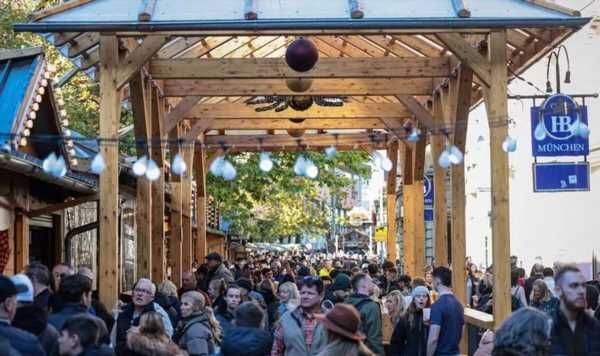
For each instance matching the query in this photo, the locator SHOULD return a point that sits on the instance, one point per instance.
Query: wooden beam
(199, 127)
(178, 113)
(62, 7)
(176, 237)
(200, 166)
(392, 232)
(250, 11)
(463, 84)
(356, 9)
(138, 57)
(235, 68)
(555, 7)
(468, 55)
(440, 215)
(284, 124)
(461, 9)
(146, 10)
(286, 140)
(61, 206)
(21, 243)
(347, 111)
(82, 43)
(324, 87)
(421, 114)
(158, 189)
(110, 109)
(497, 111)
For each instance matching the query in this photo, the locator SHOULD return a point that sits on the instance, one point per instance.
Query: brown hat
(344, 320)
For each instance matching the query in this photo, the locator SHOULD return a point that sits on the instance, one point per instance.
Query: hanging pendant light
(330, 152)
(312, 171)
(265, 163)
(229, 171)
(578, 128)
(300, 166)
(216, 167)
(377, 159)
(386, 164)
(98, 165)
(509, 145)
(414, 135)
(152, 170)
(140, 166)
(178, 165)
(540, 131)
(49, 162)
(444, 159)
(456, 156)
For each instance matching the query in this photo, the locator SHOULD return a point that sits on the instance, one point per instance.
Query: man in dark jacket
(245, 336)
(21, 341)
(574, 332)
(79, 337)
(370, 312)
(216, 268)
(75, 293)
(40, 278)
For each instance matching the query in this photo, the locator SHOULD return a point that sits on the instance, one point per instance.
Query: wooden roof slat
(62, 7)
(308, 124)
(83, 43)
(231, 45)
(418, 44)
(204, 46)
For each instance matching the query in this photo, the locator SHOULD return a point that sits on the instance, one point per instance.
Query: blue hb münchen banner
(428, 197)
(561, 177)
(556, 117)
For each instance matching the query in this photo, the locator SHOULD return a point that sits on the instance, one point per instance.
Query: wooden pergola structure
(188, 66)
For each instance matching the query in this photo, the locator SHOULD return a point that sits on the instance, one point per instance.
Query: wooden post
(176, 220)
(407, 216)
(440, 227)
(497, 111)
(110, 109)
(392, 253)
(459, 251)
(200, 173)
(418, 204)
(413, 205)
(187, 252)
(140, 105)
(158, 190)
(21, 241)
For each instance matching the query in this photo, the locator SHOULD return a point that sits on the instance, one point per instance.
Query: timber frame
(189, 80)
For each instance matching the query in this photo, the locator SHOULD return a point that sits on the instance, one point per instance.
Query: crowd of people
(295, 304)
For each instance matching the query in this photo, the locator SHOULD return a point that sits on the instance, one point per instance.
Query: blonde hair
(292, 289)
(398, 300)
(168, 289)
(152, 325)
(199, 303)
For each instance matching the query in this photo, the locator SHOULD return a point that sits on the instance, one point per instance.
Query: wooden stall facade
(189, 72)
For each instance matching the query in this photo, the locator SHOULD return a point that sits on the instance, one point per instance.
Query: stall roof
(175, 15)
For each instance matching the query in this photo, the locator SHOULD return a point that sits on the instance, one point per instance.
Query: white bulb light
(98, 165)
(509, 145)
(386, 164)
(578, 128)
(311, 171)
(41, 90)
(139, 166)
(444, 159)
(216, 167)
(330, 152)
(152, 170)
(456, 156)
(377, 158)
(540, 131)
(414, 135)
(300, 166)
(265, 163)
(178, 166)
(54, 165)
(29, 124)
(32, 115)
(229, 171)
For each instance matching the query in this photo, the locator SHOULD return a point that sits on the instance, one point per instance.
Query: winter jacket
(195, 336)
(143, 345)
(246, 341)
(126, 320)
(99, 350)
(34, 319)
(370, 321)
(221, 272)
(407, 340)
(68, 310)
(224, 317)
(586, 336)
(20, 340)
(293, 335)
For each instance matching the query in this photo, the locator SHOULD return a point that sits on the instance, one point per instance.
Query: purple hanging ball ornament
(301, 55)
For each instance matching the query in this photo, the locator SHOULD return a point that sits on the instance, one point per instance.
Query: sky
(555, 226)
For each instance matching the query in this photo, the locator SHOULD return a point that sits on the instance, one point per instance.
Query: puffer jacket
(195, 336)
(143, 345)
(246, 341)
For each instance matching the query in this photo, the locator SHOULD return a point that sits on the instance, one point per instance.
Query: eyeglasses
(142, 291)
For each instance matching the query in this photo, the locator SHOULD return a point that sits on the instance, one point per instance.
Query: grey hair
(168, 288)
(525, 332)
(152, 285)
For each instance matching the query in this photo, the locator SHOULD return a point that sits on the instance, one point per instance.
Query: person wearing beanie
(31, 317)
(410, 333)
(342, 326)
(339, 290)
(216, 268)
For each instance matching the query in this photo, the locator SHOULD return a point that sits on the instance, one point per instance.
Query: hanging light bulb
(540, 131)
(386, 164)
(29, 124)
(414, 135)
(49, 162)
(44, 82)
(26, 132)
(456, 156)
(229, 171)
(70, 143)
(444, 159)
(60, 168)
(61, 102)
(377, 159)
(265, 164)
(330, 152)
(35, 106)
(140, 166)
(47, 75)
(23, 142)
(509, 145)
(178, 166)
(41, 90)
(98, 165)
(63, 113)
(312, 171)
(38, 99)
(32, 115)
(300, 166)
(74, 162)
(580, 129)
(152, 170)
(216, 167)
